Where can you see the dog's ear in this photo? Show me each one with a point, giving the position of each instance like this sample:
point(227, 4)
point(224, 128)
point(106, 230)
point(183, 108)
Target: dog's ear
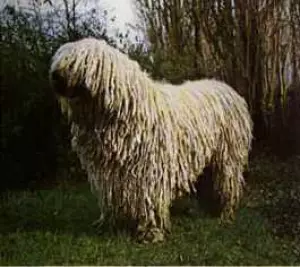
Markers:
point(61, 87)
point(59, 84)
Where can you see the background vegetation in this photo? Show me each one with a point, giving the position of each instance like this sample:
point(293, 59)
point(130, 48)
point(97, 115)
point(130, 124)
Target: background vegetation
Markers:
point(252, 45)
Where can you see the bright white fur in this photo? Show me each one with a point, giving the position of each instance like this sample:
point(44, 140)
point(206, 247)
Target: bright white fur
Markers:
point(144, 143)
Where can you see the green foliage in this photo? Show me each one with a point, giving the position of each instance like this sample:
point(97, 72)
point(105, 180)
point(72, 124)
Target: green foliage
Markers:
point(275, 190)
point(242, 43)
point(54, 227)
point(27, 104)
point(34, 139)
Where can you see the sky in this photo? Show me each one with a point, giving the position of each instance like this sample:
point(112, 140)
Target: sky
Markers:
point(123, 10)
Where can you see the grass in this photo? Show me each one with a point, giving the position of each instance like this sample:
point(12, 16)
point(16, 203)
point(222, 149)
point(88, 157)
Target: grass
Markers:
point(54, 227)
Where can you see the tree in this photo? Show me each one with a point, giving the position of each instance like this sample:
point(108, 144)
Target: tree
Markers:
point(252, 45)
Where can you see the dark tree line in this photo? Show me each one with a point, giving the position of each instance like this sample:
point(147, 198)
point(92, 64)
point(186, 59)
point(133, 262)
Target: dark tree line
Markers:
point(252, 45)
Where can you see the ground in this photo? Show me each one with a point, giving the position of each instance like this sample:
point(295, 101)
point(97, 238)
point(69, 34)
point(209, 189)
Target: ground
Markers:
point(54, 227)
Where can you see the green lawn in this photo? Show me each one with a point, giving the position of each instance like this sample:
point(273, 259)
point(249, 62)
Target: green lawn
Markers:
point(54, 227)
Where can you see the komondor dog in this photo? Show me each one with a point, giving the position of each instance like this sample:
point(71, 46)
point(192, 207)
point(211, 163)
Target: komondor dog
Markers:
point(143, 143)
